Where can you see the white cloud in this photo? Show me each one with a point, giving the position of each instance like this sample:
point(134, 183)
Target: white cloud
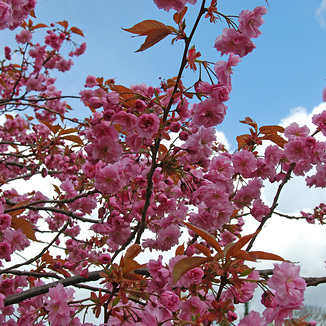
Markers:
point(302, 117)
point(321, 14)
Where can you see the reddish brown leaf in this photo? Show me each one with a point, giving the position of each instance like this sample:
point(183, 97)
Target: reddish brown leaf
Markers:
point(3, 83)
point(32, 13)
point(203, 249)
point(67, 131)
point(63, 23)
point(39, 26)
point(145, 27)
point(180, 250)
point(268, 129)
point(264, 255)
point(133, 277)
point(242, 254)
point(154, 37)
point(178, 16)
point(130, 265)
point(76, 30)
point(186, 264)
point(74, 138)
point(275, 138)
point(206, 236)
point(165, 135)
point(133, 251)
point(250, 122)
point(239, 244)
point(163, 150)
point(241, 141)
point(127, 96)
point(25, 225)
point(9, 117)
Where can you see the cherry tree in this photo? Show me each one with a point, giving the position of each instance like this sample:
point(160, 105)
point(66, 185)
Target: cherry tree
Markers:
point(143, 173)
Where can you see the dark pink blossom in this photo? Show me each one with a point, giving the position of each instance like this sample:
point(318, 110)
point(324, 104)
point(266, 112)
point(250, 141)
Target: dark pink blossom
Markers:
point(177, 5)
point(244, 162)
point(209, 113)
point(223, 70)
point(289, 286)
point(5, 221)
point(107, 180)
point(170, 300)
point(24, 37)
point(147, 125)
point(253, 318)
point(320, 121)
point(250, 21)
point(235, 42)
point(192, 307)
point(7, 52)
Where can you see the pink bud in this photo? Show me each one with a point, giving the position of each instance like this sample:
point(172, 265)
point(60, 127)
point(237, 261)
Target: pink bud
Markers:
point(183, 135)
point(95, 102)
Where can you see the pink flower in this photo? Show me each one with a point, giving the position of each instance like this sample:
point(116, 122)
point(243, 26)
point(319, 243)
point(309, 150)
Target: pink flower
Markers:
point(194, 276)
point(90, 81)
point(126, 120)
point(5, 13)
point(175, 126)
point(7, 52)
point(177, 5)
point(134, 141)
point(54, 40)
point(244, 163)
point(2, 298)
point(235, 42)
point(268, 300)
point(147, 125)
point(57, 307)
point(293, 131)
point(5, 251)
point(259, 210)
point(24, 37)
point(104, 259)
point(253, 318)
point(250, 21)
point(319, 179)
point(79, 51)
point(5, 221)
point(170, 300)
point(288, 285)
point(220, 92)
point(223, 70)
point(296, 150)
point(220, 168)
point(105, 149)
point(107, 180)
point(209, 113)
point(320, 121)
point(198, 145)
point(324, 94)
point(168, 237)
point(192, 307)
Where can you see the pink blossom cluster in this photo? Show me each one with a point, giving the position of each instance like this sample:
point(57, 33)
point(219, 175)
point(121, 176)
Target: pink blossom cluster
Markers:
point(239, 42)
point(177, 5)
point(288, 288)
point(13, 12)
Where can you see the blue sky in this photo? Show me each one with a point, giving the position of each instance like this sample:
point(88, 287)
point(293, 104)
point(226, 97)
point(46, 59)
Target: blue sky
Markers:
point(280, 81)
